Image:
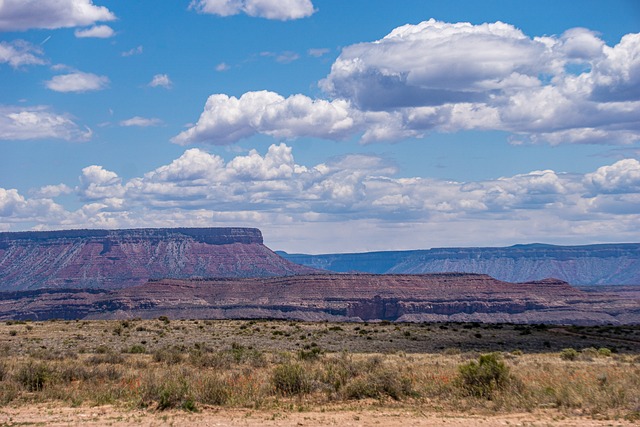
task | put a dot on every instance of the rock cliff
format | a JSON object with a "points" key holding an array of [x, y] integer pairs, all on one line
{"points": [[607, 264], [110, 259], [336, 297]]}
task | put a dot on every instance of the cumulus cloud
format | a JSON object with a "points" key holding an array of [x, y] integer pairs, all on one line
{"points": [[20, 15], [141, 122], [19, 52], [329, 203], [161, 80], [51, 191], [620, 177], [22, 123], [97, 31], [77, 82], [228, 119], [449, 77], [270, 9], [97, 183]]}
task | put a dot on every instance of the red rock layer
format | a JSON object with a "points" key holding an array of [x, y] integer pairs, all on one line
{"points": [[110, 259]]}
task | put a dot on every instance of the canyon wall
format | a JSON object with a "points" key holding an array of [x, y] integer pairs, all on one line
{"points": [[110, 259], [606, 264]]}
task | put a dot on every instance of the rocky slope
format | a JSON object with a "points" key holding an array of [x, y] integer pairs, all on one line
{"points": [[339, 297], [614, 264], [110, 259]]}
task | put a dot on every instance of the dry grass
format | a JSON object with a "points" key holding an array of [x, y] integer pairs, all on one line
{"points": [[189, 365]]}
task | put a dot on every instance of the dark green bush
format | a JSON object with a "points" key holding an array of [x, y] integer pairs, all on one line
{"points": [[482, 379], [137, 349], [290, 379], [33, 376]]}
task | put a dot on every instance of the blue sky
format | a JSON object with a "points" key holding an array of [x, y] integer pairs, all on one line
{"points": [[332, 126]]}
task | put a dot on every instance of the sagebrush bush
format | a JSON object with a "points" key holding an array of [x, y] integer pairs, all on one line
{"points": [[378, 384], [109, 357], [169, 390], [484, 378], [569, 354], [33, 376], [213, 390], [290, 379], [604, 351], [137, 349], [170, 356]]}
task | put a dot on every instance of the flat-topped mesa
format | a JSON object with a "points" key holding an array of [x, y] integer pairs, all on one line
{"points": [[211, 236], [111, 259]]}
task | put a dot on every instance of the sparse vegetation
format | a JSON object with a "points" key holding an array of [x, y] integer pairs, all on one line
{"points": [[243, 365]]}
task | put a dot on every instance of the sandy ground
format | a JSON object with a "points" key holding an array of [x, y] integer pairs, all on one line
{"points": [[44, 415]]}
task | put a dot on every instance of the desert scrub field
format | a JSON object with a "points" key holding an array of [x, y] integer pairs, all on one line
{"points": [[191, 365]]}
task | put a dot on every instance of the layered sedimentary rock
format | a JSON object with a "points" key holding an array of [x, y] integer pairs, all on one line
{"points": [[109, 259], [339, 297], [612, 264]]}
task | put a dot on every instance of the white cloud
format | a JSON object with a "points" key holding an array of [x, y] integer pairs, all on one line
{"points": [[22, 123], [228, 119], [77, 82], [435, 63], [339, 204], [620, 177], [141, 122], [15, 208], [134, 51], [442, 77], [97, 183], [19, 52], [161, 80], [19, 15], [51, 191], [270, 9], [97, 31]]}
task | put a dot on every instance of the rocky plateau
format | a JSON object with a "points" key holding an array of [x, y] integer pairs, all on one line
{"points": [[110, 259], [604, 264], [335, 297], [228, 273]]}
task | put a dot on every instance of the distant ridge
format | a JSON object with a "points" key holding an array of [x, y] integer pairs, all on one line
{"points": [[335, 297], [110, 259], [600, 264]]}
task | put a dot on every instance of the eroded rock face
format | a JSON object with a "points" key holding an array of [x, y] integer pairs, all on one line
{"points": [[110, 259], [613, 264], [336, 297]]}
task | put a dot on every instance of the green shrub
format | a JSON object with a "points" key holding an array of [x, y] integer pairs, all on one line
{"points": [[379, 383], [171, 390], [312, 353], [605, 352], [569, 354], [482, 379], [137, 349], [290, 379], [33, 376], [109, 357], [170, 356], [214, 391]]}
